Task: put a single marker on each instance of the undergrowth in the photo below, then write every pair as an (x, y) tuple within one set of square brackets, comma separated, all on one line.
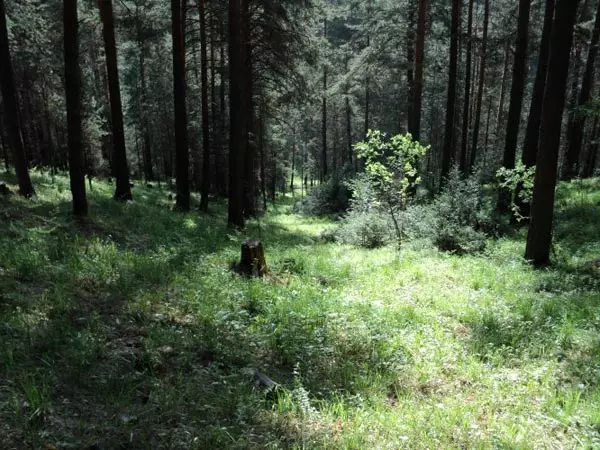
[(131, 331)]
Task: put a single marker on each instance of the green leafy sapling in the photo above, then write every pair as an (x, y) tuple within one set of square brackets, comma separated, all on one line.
[(391, 164), (519, 181)]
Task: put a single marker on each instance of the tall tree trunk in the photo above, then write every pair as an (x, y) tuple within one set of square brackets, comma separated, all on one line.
[(324, 112), (7, 84), (73, 94), (420, 57), (123, 189), (248, 114), (238, 130), (4, 146), (182, 162), (571, 164), (516, 98), (500, 115), (592, 152), (293, 161), (532, 133), (539, 237), (449, 141), (467, 100), (147, 141), (482, 69), (261, 150), (222, 169), (410, 65), (349, 128), (205, 123)]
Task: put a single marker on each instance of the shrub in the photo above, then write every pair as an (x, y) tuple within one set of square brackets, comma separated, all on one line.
[(328, 198), (461, 215), (365, 229)]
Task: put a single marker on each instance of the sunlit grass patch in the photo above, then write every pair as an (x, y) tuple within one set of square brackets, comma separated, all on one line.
[(132, 330)]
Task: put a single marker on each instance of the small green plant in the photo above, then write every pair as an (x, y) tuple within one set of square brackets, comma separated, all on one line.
[(519, 181), (391, 165)]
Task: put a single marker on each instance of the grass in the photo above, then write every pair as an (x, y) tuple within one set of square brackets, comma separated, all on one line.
[(131, 331)]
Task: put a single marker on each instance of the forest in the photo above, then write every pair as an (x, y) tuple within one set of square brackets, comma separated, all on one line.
[(232, 224)]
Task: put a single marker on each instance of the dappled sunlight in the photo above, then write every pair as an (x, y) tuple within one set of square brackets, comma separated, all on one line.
[(137, 310)]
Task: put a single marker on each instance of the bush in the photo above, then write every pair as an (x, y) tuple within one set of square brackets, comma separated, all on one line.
[(461, 215), (365, 229), (328, 198)]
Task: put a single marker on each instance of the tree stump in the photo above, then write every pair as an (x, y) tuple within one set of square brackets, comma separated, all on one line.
[(253, 262)]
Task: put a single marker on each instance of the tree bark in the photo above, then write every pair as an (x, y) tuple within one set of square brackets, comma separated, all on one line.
[(205, 188), (73, 94), (532, 132), (500, 115), (238, 130), (420, 57), (324, 112), (516, 98), (571, 164), (482, 69), (449, 141), (7, 84), (179, 93), (410, 66), (539, 237), (467, 100), (123, 189), (147, 141), (248, 114)]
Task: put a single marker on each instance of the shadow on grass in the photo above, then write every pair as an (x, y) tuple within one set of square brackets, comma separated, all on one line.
[(89, 353)]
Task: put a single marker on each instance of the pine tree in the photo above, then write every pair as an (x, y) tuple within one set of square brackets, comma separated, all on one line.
[(179, 94), (121, 167), (9, 97), (539, 237), (73, 94)]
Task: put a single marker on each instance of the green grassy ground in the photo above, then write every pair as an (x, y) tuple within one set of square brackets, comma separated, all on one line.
[(131, 331)]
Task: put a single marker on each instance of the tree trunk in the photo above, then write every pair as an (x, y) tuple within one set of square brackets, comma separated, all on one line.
[(592, 152), (500, 115), (248, 114), (179, 93), (123, 189), (7, 84), (571, 164), (482, 69), (73, 94), (532, 134), (420, 57), (238, 130), (4, 146), (448, 152), (516, 99), (147, 141), (205, 123), (349, 128), (539, 237), (324, 112), (410, 65), (222, 173), (467, 100)]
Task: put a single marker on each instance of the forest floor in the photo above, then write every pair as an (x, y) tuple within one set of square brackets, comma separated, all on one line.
[(132, 331)]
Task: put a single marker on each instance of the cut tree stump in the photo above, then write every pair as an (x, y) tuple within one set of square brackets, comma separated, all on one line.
[(253, 262)]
